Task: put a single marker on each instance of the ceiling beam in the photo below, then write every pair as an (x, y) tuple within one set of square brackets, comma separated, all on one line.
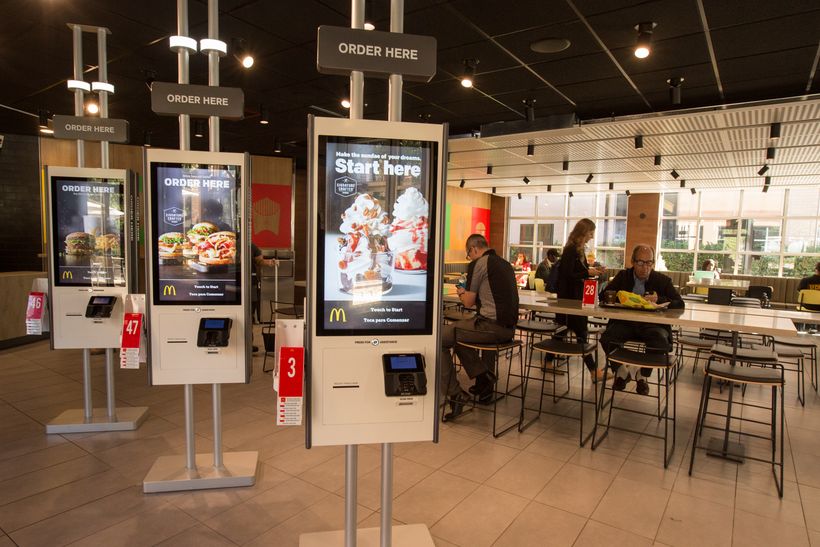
[(708, 36)]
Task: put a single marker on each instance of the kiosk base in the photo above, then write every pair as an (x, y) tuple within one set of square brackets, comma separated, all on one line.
[(170, 474), (73, 421), (409, 535)]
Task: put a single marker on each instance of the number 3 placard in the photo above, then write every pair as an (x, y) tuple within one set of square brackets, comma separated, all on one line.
[(291, 391)]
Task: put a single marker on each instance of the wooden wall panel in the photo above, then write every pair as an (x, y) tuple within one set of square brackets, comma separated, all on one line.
[(641, 222), (498, 223), (272, 170), (461, 204)]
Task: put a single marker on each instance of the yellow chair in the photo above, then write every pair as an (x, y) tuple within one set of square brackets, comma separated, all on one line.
[(808, 296), (539, 285)]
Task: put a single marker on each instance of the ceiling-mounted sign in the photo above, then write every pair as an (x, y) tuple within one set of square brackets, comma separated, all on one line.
[(90, 129), (197, 100), (341, 50)]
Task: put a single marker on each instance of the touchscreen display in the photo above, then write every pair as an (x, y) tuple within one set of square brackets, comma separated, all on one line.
[(376, 235), (196, 227), (88, 232), (403, 362)]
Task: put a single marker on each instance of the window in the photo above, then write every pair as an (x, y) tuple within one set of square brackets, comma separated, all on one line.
[(554, 217), (744, 231)]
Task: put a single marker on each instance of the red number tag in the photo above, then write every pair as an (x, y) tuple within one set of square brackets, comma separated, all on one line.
[(34, 309), (590, 292)]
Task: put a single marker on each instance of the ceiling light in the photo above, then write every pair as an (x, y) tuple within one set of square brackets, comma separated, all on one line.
[(199, 128), (774, 130), (675, 90), (494, 189), (683, 183), (92, 107), (150, 78), (78, 84), (519, 195), (762, 170), (638, 142), (550, 45), (526, 180), (570, 194), (674, 174), (767, 181), (549, 187), (102, 86), (658, 159), (369, 10), (643, 45), (46, 131), (489, 169), (242, 53), (42, 118), (530, 149), (207, 45), (462, 183), (565, 165), (146, 138), (770, 153), (277, 146), (627, 193), (611, 185), (177, 43), (693, 191), (369, 26), (468, 75), (590, 177), (264, 116), (529, 109), (345, 103)]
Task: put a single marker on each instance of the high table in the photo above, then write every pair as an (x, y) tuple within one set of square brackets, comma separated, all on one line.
[(737, 284)]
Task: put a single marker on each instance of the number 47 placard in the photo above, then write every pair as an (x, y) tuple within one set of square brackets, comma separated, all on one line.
[(130, 342)]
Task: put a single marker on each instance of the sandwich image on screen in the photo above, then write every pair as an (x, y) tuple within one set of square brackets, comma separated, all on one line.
[(196, 218), (375, 239), (87, 232)]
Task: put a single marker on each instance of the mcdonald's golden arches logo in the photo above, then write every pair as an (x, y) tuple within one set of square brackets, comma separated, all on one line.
[(338, 314), (169, 290), (68, 275)]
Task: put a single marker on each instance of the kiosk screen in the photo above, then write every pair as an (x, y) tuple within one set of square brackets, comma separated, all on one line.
[(195, 214), (376, 235), (88, 232)]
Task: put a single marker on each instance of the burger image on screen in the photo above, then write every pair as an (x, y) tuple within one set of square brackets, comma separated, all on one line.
[(79, 246), (170, 245), (196, 235), (218, 249)]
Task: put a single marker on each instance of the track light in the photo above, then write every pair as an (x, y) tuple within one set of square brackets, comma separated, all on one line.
[(762, 170), (549, 187), (277, 146), (611, 185), (146, 138), (590, 177), (494, 188), (658, 160), (150, 78), (345, 103), (530, 149), (774, 130), (570, 194), (770, 153), (489, 169), (42, 118), (675, 90), (643, 45), (683, 183), (468, 74), (766, 183), (526, 180), (369, 15), (462, 183), (693, 191), (529, 109), (638, 142), (92, 107), (627, 193), (565, 165), (199, 128), (264, 117), (242, 53), (519, 195), (674, 174), (369, 26)]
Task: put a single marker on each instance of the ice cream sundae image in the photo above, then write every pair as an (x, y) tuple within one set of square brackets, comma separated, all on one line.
[(409, 231), (365, 262)]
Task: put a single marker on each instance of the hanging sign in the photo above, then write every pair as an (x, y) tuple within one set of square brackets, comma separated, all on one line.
[(87, 128), (291, 386), (197, 100), (130, 343), (377, 54)]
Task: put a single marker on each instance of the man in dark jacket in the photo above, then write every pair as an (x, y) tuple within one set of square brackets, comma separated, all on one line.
[(641, 279)]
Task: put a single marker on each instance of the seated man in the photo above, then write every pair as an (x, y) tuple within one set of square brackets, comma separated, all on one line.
[(655, 287), (491, 289), (812, 283)]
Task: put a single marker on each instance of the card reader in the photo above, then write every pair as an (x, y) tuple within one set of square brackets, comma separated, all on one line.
[(213, 332), (404, 374), (100, 307)]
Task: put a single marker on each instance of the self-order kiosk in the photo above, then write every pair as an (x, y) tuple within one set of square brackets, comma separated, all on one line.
[(373, 313), (198, 267), (92, 249)]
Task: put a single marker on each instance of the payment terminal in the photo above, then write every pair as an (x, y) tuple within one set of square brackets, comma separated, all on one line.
[(404, 374), (100, 307)]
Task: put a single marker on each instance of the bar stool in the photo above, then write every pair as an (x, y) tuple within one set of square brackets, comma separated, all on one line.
[(793, 352), (805, 343), (659, 362), (766, 376), (561, 351), (693, 343), (509, 350)]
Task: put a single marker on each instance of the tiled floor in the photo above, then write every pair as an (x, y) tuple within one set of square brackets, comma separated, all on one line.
[(532, 488)]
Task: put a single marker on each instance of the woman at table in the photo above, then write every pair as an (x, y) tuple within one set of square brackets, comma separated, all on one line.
[(710, 266), (573, 269), (521, 263)]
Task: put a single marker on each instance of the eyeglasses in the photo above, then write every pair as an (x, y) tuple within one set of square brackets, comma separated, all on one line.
[(643, 263)]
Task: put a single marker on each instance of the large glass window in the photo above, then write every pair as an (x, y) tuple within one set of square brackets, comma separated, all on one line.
[(744, 231), (554, 217)]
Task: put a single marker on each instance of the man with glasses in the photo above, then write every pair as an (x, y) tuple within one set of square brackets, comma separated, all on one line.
[(655, 287), (490, 289)]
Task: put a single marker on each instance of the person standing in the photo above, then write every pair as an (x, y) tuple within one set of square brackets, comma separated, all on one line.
[(573, 269), (491, 289)]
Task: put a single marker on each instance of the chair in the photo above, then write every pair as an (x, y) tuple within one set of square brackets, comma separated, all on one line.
[(746, 302), (810, 297), (720, 296), (764, 371), (694, 297), (763, 293), (795, 351), (664, 367)]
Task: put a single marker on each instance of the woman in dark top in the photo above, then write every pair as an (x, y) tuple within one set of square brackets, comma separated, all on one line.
[(572, 271)]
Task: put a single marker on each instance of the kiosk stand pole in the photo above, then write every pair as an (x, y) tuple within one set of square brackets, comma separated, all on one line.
[(109, 384), (190, 441), (77, 34), (88, 408)]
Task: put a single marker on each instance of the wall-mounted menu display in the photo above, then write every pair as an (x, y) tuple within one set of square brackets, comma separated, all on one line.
[(375, 240), (196, 221), (88, 232)]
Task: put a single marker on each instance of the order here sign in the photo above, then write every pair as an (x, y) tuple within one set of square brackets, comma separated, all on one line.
[(341, 50)]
